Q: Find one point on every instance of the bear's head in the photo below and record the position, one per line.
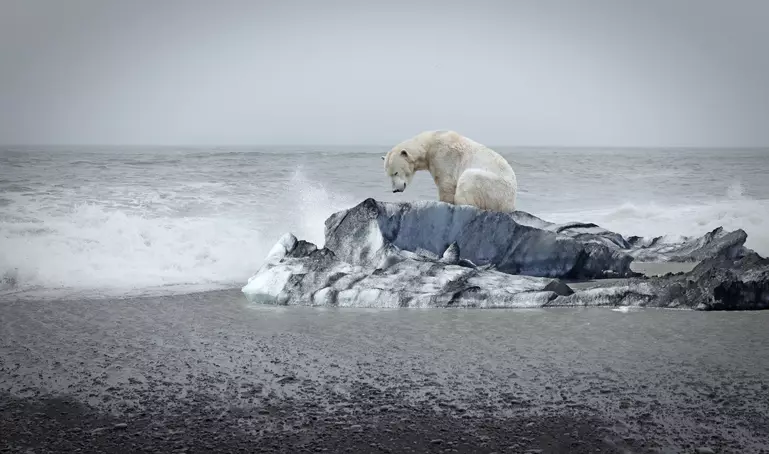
(399, 165)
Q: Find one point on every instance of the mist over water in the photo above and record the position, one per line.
(116, 221)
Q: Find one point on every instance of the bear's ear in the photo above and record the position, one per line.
(383, 158)
(404, 154)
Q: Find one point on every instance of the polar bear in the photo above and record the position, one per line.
(465, 172)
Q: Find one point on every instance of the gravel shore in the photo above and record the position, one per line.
(64, 425)
(207, 372)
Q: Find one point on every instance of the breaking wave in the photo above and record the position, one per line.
(99, 249)
(734, 211)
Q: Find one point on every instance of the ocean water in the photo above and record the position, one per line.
(113, 221)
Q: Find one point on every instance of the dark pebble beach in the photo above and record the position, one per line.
(210, 373)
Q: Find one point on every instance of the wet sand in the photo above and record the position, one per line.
(208, 372)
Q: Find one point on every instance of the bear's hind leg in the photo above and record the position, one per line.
(485, 190)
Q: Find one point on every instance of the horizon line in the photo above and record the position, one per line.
(387, 147)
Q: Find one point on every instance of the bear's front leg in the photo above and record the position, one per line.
(446, 196)
(445, 191)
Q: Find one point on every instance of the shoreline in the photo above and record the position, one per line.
(649, 269)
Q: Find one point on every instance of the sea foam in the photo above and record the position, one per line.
(106, 249)
(676, 221)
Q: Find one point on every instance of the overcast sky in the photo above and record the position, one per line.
(506, 72)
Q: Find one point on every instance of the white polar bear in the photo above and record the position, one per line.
(465, 172)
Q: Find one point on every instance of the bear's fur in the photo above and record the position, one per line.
(465, 172)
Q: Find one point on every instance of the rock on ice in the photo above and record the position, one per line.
(434, 254)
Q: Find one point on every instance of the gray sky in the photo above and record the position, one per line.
(505, 72)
